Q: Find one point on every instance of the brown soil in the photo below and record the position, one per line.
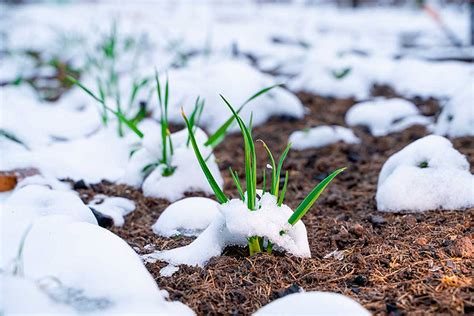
(392, 263)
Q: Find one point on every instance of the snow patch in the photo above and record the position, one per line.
(26, 205)
(234, 225)
(384, 116)
(427, 174)
(457, 116)
(236, 81)
(188, 217)
(313, 303)
(115, 207)
(321, 136)
(187, 175)
(115, 281)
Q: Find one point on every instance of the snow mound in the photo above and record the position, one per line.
(234, 225)
(426, 175)
(101, 156)
(26, 205)
(189, 217)
(38, 123)
(13, 288)
(237, 81)
(113, 206)
(457, 116)
(313, 303)
(321, 136)
(384, 116)
(187, 176)
(58, 252)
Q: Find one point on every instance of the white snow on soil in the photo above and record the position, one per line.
(115, 207)
(236, 81)
(457, 116)
(321, 136)
(188, 217)
(313, 303)
(115, 281)
(234, 225)
(428, 174)
(384, 116)
(187, 176)
(26, 205)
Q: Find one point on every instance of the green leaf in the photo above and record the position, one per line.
(210, 178)
(312, 197)
(341, 74)
(118, 114)
(235, 177)
(84, 88)
(283, 190)
(219, 135)
(274, 180)
(250, 159)
(280, 165)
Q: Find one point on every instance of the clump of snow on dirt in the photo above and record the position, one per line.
(234, 225)
(187, 175)
(188, 217)
(38, 123)
(26, 205)
(58, 252)
(101, 156)
(427, 174)
(457, 116)
(321, 136)
(323, 73)
(313, 303)
(169, 270)
(236, 81)
(384, 116)
(113, 206)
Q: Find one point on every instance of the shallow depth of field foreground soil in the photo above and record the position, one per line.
(390, 263)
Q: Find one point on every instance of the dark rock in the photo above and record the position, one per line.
(392, 309)
(80, 185)
(294, 288)
(352, 156)
(102, 219)
(360, 280)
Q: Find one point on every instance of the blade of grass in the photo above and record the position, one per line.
(219, 135)
(119, 115)
(303, 208)
(235, 177)
(283, 190)
(250, 159)
(274, 179)
(280, 165)
(210, 178)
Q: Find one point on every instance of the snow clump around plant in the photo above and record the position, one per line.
(187, 176)
(234, 225)
(426, 175)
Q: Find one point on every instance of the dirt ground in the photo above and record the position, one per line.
(391, 263)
